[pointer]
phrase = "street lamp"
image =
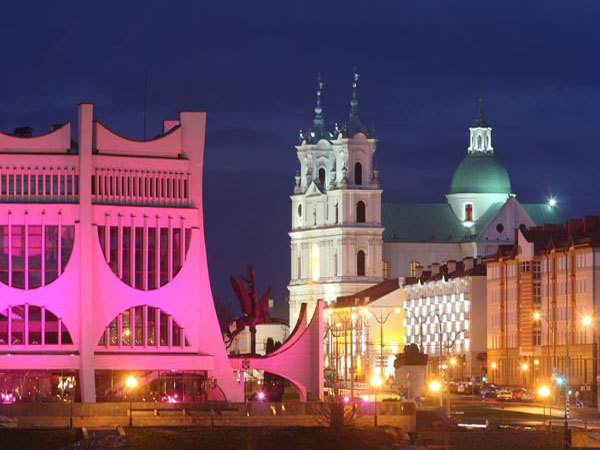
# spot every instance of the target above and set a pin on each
(131, 384)
(436, 386)
(588, 321)
(544, 393)
(376, 382)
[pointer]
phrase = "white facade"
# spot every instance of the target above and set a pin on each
(448, 317)
(335, 223)
(242, 343)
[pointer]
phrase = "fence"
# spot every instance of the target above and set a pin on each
(145, 414)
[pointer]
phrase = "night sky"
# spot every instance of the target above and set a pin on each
(253, 65)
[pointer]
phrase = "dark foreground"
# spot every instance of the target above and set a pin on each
(216, 438)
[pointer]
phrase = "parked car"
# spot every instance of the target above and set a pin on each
(504, 394)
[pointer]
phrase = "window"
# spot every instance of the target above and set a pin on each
(499, 228)
(413, 268)
(322, 176)
(360, 263)
(358, 174)
(479, 142)
(299, 210)
(360, 212)
(386, 270)
(315, 269)
(336, 213)
(468, 212)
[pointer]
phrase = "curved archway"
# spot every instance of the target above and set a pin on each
(32, 256)
(322, 176)
(143, 326)
(358, 174)
(360, 263)
(31, 325)
(125, 253)
(360, 212)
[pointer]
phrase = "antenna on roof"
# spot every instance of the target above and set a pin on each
(145, 99)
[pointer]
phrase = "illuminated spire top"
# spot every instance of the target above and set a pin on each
(354, 124)
(318, 122)
(480, 122)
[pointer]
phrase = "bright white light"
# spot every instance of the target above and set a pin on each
(552, 202)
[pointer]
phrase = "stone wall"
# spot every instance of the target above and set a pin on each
(255, 414)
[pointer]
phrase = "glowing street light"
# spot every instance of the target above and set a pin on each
(376, 382)
(524, 367)
(587, 320)
(493, 365)
(453, 361)
(552, 202)
(544, 393)
(435, 386)
(537, 316)
(131, 382)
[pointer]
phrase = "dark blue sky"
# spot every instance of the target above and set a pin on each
(252, 66)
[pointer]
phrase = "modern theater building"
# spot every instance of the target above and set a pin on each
(103, 265)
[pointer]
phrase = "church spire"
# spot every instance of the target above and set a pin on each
(480, 122)
(354, 124)
(480, 141)
(318, 122)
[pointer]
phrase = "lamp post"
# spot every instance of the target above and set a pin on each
(381, 321)
(131, 384)
(436, 386)
(524, 369)
(376, 382)
(544, 393)
(588, 321)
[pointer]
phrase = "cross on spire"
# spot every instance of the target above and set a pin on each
(480, 121)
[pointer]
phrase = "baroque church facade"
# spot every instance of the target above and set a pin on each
(343, 239)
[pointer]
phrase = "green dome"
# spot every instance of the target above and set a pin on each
(480, 174)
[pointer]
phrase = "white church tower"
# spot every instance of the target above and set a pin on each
(336, 236)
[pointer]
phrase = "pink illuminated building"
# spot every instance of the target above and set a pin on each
(103, 267)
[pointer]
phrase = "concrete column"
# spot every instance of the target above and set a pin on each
(86, 284)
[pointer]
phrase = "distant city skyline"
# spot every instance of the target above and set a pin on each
(423, 67)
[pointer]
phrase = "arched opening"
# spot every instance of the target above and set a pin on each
(360, 212)
(479, 142)
(322, 176)
(24, 247)
(468, 212)
(337, 213)
(315, 262)
(360, 263)
(358, 174)
(299, 210)
(29, 325)
(142, 326)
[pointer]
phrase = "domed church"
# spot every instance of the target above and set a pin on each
(481, 212)
(344, 240)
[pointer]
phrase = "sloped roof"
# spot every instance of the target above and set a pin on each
(420, 222)
(369, 294)
(542, 213)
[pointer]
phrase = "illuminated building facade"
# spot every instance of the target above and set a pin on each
(336, 212)
(103, 264)
(445, 314)
(363, 335)
(543, 296)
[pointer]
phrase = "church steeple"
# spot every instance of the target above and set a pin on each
(318, 127)
(354, 124)
(480, 121)
(480, 141)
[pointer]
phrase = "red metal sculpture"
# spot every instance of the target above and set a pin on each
(255, 311)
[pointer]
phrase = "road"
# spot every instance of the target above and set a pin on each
(466, 410)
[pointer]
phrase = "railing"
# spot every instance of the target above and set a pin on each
(140, 187)
(39, 184)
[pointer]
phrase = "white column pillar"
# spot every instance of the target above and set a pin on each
(10, 252)
(145, 257)
(132, 326)
(43, 248)
(26, 337)
(26, 265)
(120, 246)
(43, 323)
(170, 249)
(132, 251)
(157, 254)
